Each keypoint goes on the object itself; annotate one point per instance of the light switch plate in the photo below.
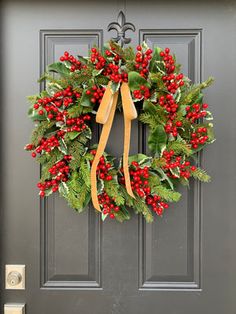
(14, 308)
(15, 268)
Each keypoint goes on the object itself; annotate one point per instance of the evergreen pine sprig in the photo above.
(112, 188)
(180, 148)
(201, 175)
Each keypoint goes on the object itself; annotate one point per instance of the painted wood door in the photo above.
(183, 263)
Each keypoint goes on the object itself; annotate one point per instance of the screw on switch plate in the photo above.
(14, 308)
(15, 277)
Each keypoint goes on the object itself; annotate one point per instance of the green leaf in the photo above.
(63, 189)
(115, 86)
(155, 57)
(208, 116)
(175, 172)
(157, 140)
(59, 68)
(149, 107)
(164, 177)
(136, 80)
(82, 59)
(73, 135)
(63, 147)
(96, 72)
(210, 133)
(104, 216)
(52, 88)
(85, 100)
(142, 159)
(34, 116)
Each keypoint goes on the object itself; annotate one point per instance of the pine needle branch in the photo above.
(201, 175)
(180, 147)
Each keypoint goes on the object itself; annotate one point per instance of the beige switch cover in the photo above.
(13, 269)
(14, 308)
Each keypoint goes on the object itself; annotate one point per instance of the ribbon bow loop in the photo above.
(105, 116)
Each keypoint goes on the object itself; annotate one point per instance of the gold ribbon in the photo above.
(105, 115)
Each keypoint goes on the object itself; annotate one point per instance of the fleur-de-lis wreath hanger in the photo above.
(121, 26)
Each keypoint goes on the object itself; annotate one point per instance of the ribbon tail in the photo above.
(127, 133)
(130, 113)
(100, 149)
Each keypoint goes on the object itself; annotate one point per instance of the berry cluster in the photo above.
(174, 162)
(75, 64)
(50, 105)
(59, 172)
(115, 56)
(142, 92)
(108, 205)
(196, 111)
(168, 60)
(103, 168)
(113, 72)
(142, 60)
(157, 205)
(77, 124)
(140, 185)
(96, 94)
(199, 137)
(97, 59)
(46, 144)
(172, 83)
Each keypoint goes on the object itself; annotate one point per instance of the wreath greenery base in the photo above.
(168, 104)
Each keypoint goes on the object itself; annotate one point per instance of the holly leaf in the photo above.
(85, 100)
(115, 87)
(63, 189)
(210, 133)
(33, 114)
(149, 107)
(104, 216)
(136, 80)
(157, 140)
(82, 59)
(164, 177)
(142, 159)
(63, 147)
(155, 57)
(73, 135)
(59, 68)
(96, 72)
(209, 116)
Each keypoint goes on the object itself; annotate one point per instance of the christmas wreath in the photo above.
(144, 84)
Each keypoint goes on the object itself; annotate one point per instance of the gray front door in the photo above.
(75, 264)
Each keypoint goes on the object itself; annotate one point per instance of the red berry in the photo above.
(178, 123)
